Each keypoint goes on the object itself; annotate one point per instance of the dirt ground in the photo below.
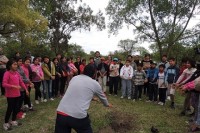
(120, 123)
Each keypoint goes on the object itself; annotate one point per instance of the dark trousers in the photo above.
(21, 100)
(62, 85)
(2, 71)
(138, 89)
(12, 108)
(37, 90)
(64, 124)
(186, 104)
(153, 92)
(27, 99)
(146, 89)
(114, 81)
(55, 87)
(162, 94)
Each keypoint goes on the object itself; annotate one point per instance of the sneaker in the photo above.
(140, 99)
(7, 127)
(31, 109)
(160, 103)
(129, 98)
(133, 100)
(45, 100)
(36, 102)
(115, 95)
(168, 98)
(109, 94)
(51, 99)
(15, 123)
(121, 97)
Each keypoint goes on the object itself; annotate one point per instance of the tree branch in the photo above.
(177, 38)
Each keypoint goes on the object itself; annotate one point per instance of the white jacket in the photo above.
(126, 72)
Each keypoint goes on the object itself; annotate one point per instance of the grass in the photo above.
(144, 114)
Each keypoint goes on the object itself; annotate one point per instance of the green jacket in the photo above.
(48, 73)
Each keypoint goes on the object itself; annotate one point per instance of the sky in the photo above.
(95, 40)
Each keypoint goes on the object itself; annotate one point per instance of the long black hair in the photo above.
(9, 63)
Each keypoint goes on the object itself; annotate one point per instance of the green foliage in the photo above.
(17, 16)
(128, 46)
(36, 50)
(64, 17)
(162, 22)
(75, 50)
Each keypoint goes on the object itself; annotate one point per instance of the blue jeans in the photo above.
(126, 87)
(47, 88)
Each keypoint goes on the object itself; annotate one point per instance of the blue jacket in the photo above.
(152, 75)
(172, 74)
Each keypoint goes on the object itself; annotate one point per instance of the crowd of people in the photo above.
(138, 80)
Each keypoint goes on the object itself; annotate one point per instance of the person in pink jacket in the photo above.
(37, 78)
(12, 83)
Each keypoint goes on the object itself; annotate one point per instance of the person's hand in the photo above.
(59, 75)
(16, 87)
(52, 77)
(31, 85)
(27, 93)
(146, 80)
(122, 77)
(42, 78)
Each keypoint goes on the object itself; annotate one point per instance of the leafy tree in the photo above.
(16, 16)
(163, 22)
(128, 46)
(75, 51)
(64, 17)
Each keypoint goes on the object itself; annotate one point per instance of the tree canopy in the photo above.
(64, 17)
(162, 22)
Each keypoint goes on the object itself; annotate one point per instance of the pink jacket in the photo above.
(37, 73)
(12, 78)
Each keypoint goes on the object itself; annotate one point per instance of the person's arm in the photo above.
(21, 83)
(5, 81)
(45, 70)
(181, 77)
(132, 73)
(177, 74)
(121, 71)
(53, 69)
(99, 93)
(189, 86)
(166, 76)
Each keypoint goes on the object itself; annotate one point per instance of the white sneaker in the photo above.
(36, 102)
(45, 100)
(52, 99)
(15, 123)
(168, 98)
(161, 103)
(7, 127)
(115, 95)
(133, 100)
(121, 97)
(129, 98)
(26, 106)
(140, 99)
